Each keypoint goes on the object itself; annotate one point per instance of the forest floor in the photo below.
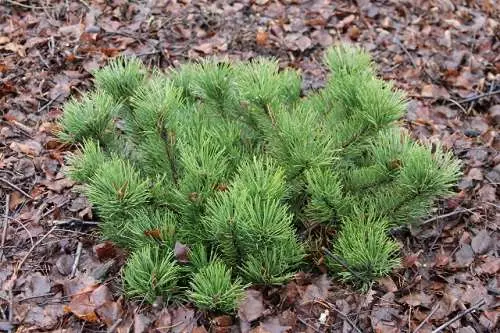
(55, 273)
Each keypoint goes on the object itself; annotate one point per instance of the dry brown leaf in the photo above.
(252, 306)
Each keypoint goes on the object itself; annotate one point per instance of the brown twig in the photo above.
(5, 223)
(308, 325)
(343, 315)
(21, 263)
(73, 221)
(48, 104)
(13, 278)
(77, 259)
(460, 315)
(412, 60)
(426, 319)
(455, 212)
(15, 3)
(475, 98)
(15, 187)
(115, 325)
(54, 208)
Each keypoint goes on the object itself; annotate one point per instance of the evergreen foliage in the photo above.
(213, 288)
(230, 160)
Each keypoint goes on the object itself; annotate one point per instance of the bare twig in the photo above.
(21, 263)
(73, 221)
(455, 212)
(458, 105)
(426, 319)
(15, 3)
(343, 315)
(346, 317)
(477, 97)
(77, 259)
(308, 325)
(27, 130)
(115, 325)
(15, 187)
(13, 278)
(413, 62)
(48, 104)
(460, 315)
(24, 227)
(54, 208)
(5, 223)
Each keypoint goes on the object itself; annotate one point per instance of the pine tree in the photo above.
(230, 160)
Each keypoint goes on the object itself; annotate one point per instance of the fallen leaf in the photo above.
(481, 242)
(82, 307)
(109, 312)
(37, 285)
(141, 323)
(105, 251)
(163, 321)
(388, 284)
(184, 320)
(465, 256)
(181, 252)
(64, 264)
(317, 290)
(490, 266)
(261, 37)
(29, 147)
(252, 305)
(100, 296)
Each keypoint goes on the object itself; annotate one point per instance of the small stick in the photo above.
(115, 325)
(460, 315)
(49, 103)
(343, 315)
(426, 319)
(455, 212)
(54, 208)
(22, 127)
(342, 262)
(77, 259)
(15, 187)
(308, 325)
(21, 263)
(73, 221)
(5, 223)
(475, 98)
(346, 317)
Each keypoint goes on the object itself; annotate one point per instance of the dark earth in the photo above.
(57, 275)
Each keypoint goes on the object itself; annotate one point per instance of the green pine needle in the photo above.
(121, 77)
(364, 250)
(152, 272)
(83, 165)
(88, 118)
(212, 288)
(117, 189)
(230, 160)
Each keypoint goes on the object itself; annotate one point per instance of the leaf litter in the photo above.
(444, 54)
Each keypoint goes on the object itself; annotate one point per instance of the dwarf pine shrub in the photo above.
(229, 160)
